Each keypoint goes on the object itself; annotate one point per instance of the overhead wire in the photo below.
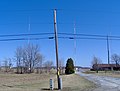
(18, 39)
(43, 38)
(70, 36)
(25, 34)
(66, 34)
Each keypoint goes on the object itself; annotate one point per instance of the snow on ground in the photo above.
(104, 83)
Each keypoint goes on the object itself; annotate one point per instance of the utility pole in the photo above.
(108, 50)
(56, 45)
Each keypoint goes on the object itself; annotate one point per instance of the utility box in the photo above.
(51, 84)
(60, 80)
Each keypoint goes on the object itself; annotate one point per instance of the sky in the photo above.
(101, 17)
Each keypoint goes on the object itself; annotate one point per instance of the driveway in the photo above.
(104, 83)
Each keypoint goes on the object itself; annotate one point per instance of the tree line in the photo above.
(115, 59)
(27, 58)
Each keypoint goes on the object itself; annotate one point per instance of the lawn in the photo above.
(40, 82)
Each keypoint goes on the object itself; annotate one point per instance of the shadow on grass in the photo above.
(55, 89)
(8, 86)
(48, 89)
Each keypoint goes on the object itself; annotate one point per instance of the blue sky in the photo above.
(90, 16)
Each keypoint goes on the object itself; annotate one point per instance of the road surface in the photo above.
(104, 83)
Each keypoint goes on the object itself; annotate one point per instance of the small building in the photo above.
(77, 68)
(103, 67)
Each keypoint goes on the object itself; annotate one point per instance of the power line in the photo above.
(26, 23)
(69, 36)
(18, 39)
(88, 38)
(85, 38)
(32, 34)
(20, 10)
(42, 38)
(90, 35)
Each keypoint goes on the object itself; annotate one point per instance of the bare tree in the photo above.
(19, 59)
(33, 57)
(10, 63)
(7, 64)
(0, 65)
(28, 57)
(61, 65)
(95, 63)
(48, 65)
(39, 65)
(116, 59)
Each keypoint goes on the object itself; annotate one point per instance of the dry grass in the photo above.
(76, 83)
(23, 82)
(36, 82)
(89, 72)
(109, 74)
(105, 73)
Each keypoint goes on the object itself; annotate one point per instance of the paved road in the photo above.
(104, 83)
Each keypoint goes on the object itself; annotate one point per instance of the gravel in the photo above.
(104, 83)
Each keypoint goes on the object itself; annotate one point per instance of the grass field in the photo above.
(76, 83)
(40, 82)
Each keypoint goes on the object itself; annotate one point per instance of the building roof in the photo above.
(107, 65)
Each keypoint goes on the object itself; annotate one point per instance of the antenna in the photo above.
(29, 28)
(75, 43)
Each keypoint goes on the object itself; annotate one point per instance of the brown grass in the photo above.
(76, 83)
(109, 74)
(105, 73)
(23, 82)
(38, 82)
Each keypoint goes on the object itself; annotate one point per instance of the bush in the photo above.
(69, 69)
